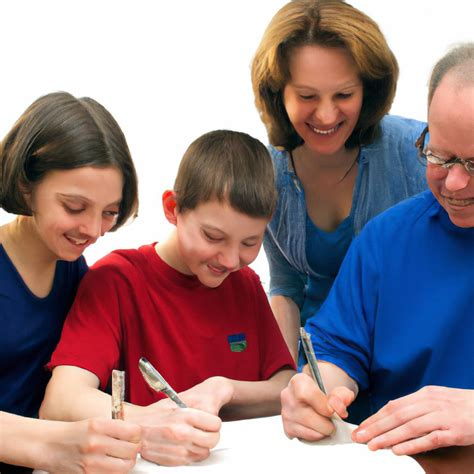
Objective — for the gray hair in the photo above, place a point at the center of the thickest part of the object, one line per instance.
(460, 61)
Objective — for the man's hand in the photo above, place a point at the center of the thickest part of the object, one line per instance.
(430, 418)
(306, 411)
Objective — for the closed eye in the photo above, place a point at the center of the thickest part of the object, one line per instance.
(73, 210)
(211, 238)
(344, 95)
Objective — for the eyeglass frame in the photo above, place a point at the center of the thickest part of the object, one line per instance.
(424, 156)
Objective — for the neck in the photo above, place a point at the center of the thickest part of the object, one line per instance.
(335, 167)
(169, 252)
(22, 243)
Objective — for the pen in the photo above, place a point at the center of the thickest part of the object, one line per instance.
(311, 358)
(118, 394)
(156, 381)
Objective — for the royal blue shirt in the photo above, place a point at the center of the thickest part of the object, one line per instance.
(400, 314)
(388, 172)
(29, 331)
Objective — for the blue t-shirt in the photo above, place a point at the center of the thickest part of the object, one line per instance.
(30, 329)
(324, 251)
(400, 314)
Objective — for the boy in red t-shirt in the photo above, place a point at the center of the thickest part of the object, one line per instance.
(189, 304)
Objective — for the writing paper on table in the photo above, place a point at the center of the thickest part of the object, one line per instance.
(249, 445)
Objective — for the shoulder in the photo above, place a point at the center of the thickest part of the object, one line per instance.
(395, 129)
(400, 218)
(280, 159)
(123, 263)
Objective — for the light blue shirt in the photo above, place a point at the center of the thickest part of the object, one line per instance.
(388, 172)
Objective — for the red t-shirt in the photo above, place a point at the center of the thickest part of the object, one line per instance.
(132, 304)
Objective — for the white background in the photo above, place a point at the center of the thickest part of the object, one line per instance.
(172, 70)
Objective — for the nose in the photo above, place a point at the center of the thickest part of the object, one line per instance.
(326, 112)
(457, 178)
(92, 227)
(230, 258)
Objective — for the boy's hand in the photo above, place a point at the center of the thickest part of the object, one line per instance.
(209, 396)
(430, 418)
(176, 436)
(306, 411)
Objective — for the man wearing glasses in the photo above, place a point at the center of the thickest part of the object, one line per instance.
(399, 321)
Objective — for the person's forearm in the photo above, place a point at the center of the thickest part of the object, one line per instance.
(333, 377)
(256, 399)
(287, 315)
(72, 394)
(24, 441)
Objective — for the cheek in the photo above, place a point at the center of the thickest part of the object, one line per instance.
(248, 255)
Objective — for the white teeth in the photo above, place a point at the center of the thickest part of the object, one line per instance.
(76, 241)
(324, 132)
(460, 202)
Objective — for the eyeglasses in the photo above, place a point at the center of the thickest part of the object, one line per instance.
(427, 156)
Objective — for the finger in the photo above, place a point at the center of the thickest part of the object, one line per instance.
(305, 391)
(174, 455)
(388, 418)
(338, 405)
(294, 430)
(414, 428)
(117, 429)
(106, 464)
(435, 439)
(306, 421)
(120, 449)
(201, 420)
(424, 395)
(339, 399)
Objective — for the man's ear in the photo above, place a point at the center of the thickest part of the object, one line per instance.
(169, 206)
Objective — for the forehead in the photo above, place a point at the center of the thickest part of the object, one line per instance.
(220, 215)
(330, 64)
(103, 185)
(451, 117)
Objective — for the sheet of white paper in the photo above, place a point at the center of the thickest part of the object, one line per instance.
(249, 445)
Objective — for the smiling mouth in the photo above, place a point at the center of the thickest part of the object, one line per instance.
(75, 241)
(459, 202)
(328, 131)
(219, 271)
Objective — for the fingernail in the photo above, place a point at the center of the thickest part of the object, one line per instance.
(360, 434)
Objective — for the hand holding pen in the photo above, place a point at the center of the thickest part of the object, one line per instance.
(156, 381)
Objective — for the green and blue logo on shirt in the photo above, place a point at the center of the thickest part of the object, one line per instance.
(237, 342)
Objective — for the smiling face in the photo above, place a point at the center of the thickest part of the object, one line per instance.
(451, 123)
(214, 240)
(73, 208)
(323, 99)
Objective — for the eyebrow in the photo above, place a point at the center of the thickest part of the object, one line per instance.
(449, 154)
(84, 199)
(211, 227)
(346, 85)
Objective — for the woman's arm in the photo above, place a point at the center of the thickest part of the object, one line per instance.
(287, 315)
(92, 445)
(170, 436)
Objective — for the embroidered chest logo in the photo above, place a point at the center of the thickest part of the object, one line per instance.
(237, 342)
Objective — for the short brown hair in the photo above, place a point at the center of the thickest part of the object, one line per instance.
(460, 60)
(61, 132)
(330, 23)
(227, 165)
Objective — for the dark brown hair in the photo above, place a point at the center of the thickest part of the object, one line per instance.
(227, 165)
(333, 24)
(60, 132)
